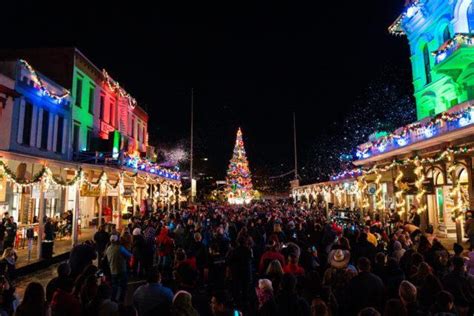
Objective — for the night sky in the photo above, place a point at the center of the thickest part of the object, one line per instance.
(251, 65)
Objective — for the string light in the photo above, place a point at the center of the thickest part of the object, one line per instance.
(115, 86)
(410, 11)
(43, 88)
(413, 132)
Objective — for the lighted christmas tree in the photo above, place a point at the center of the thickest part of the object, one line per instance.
(239, 181)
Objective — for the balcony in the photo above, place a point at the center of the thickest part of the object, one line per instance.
(455, 123)
(453, 56)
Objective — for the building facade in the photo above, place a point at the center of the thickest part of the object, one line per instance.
(59, 117)
(426, 166)
(439, 34)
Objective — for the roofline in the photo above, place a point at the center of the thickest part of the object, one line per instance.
(76, 50)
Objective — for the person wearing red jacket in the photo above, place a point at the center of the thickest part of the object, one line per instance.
(268, 256)
(165, 248)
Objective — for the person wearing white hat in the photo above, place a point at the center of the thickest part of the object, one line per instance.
(117, 257)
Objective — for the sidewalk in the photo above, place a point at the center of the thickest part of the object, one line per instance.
(61, 246)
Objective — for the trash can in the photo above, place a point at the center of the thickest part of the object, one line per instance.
(47, 249)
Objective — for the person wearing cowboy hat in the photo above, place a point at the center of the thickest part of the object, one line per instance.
(339, 259)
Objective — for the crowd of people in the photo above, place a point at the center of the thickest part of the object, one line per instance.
(268, 258)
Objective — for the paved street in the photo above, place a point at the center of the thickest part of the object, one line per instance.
(43, 277)
(60, 246)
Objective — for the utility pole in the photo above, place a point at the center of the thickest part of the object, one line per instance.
(294, 142)
(191, 149)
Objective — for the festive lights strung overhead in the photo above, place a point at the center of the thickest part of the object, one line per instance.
(41, 86)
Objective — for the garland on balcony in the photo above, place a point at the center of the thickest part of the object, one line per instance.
(464, 117)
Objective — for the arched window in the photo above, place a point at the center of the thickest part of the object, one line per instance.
(426, 57)
(446, 34)
(470, 17)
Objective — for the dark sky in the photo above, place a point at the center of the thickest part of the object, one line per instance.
(251, 64)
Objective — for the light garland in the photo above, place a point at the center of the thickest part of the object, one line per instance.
(115, 86)
(145, 165)
(419, 185)
(43, 88)
(411, 10)
(417, 131)
(399, 200)
(451, 45)
(379, 203)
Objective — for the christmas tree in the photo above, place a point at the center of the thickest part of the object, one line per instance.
(239, 181)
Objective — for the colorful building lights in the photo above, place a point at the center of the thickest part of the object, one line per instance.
(43, 89)
(147, 166)
(443, 123)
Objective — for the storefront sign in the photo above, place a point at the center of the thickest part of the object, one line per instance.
(112, 192)
(127, 191)
(90, 191)
(53, 192)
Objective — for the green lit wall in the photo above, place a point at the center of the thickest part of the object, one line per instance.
(450, 81)
(81, 114)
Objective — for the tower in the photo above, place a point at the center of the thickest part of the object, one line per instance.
(441, 38)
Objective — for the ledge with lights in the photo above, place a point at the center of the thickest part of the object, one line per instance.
(115, 86)
(440, 124)
(145, 165)
(43, 88)
(411, 9)
(452, 45)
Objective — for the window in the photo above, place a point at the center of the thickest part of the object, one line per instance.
(59, 137)
(91, 100)
(446, 34)
(76, 135)
(132, 131)
(112, 112)
(45, 130)
(453, 102)
(470, 17)
(78, 92)
(426, 57)
(27, 121)
(89, 139)
(102, 100)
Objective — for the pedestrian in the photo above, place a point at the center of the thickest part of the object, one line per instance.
(80, 257)
(101, 239)
(64, 302)
(461, 285)
(101, 304)
(153, 298)
(182, 305)
(408, 296)
(8, 264)
(365, 289)
(288, 301)
(118, 256)
(266, 301)
(34, 302)
(63, 272)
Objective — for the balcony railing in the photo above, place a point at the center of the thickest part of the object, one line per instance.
(449, 47)
(463, 115)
